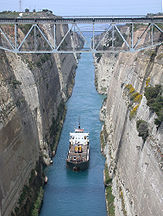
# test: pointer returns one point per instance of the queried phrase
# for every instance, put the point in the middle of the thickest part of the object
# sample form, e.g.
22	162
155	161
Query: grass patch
108	180
110	201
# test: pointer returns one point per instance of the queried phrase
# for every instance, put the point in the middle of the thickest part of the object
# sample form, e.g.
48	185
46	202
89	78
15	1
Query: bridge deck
80	20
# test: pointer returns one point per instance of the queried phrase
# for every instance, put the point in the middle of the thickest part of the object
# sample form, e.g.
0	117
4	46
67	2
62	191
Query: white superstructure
79	137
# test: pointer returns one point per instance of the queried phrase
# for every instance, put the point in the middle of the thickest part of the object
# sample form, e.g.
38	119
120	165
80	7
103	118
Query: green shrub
26	10
152	92
37	205
24	193
155	101
142	127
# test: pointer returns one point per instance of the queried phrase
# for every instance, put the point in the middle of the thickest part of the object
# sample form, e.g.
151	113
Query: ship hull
78	154
78	166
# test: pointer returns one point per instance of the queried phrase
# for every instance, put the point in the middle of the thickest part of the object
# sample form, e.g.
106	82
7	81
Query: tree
27	10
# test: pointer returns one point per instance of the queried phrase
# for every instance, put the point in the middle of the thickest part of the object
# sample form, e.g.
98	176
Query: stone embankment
33	92
134	155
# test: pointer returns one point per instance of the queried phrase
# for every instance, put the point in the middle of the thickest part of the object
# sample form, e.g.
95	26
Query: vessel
78	154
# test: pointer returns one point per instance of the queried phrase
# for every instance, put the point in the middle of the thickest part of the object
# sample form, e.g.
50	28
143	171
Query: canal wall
33	92
134	163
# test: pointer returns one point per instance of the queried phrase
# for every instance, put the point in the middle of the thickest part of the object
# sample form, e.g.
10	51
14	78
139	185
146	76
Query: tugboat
78	154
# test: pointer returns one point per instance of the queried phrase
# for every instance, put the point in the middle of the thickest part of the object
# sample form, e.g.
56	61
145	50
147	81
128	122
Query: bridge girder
11	41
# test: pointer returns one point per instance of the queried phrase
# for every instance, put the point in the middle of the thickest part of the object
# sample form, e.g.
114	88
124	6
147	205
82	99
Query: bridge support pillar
54	31
16	36
93	40
132	36
152	33
113	35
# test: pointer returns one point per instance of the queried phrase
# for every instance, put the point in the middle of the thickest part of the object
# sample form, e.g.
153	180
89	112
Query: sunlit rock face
33	91
135	166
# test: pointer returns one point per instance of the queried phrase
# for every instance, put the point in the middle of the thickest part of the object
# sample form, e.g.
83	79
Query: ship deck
78	157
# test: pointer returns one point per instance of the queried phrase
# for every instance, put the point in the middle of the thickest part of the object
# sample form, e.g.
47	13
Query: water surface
71	193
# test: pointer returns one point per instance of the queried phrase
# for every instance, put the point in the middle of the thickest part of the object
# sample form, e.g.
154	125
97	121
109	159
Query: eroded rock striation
33	92
134	154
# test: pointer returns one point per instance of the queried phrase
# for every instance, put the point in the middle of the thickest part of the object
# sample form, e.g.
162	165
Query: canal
71	193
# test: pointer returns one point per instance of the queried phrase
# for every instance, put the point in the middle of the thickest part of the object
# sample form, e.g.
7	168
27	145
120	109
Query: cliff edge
33	92
132	134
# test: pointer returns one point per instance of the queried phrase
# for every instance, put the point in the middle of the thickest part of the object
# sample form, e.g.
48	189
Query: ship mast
79	123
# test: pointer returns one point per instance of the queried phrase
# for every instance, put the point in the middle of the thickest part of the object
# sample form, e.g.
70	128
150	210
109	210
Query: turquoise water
71	193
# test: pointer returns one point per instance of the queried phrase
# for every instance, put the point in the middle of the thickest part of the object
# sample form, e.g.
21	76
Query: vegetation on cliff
108	193
155	101
103	137
108	180
110	201
36	208
56	126
142	127
31	196
98	56
135	99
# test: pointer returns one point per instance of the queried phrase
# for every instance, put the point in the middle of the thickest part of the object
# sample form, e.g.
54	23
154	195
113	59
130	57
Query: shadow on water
69	193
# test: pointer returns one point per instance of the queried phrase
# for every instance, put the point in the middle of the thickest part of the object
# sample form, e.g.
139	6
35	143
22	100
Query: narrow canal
71	193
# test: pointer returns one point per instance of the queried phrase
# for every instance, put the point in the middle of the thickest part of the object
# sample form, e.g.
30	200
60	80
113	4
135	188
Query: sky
87	7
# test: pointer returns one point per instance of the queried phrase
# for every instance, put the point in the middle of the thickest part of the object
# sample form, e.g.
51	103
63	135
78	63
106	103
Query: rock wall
135	166
33	91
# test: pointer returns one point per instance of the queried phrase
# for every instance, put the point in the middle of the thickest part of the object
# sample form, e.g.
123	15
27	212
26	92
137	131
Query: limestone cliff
134	165
33	91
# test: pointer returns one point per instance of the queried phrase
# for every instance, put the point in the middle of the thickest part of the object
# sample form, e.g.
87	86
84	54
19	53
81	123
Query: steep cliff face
33	90
134	165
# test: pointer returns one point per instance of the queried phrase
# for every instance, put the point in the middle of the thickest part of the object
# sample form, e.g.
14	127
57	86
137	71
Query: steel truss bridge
114	33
